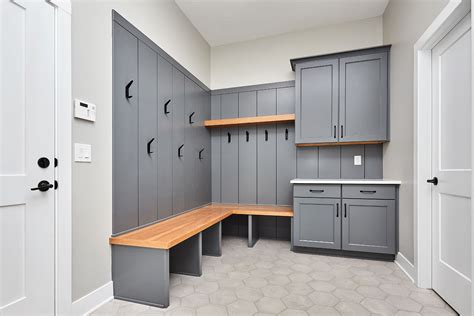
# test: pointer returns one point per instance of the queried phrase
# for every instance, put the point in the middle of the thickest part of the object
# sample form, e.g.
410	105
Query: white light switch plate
358	160
82	152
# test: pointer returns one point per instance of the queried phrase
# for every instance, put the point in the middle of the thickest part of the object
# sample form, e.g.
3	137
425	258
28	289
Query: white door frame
63	147
454	11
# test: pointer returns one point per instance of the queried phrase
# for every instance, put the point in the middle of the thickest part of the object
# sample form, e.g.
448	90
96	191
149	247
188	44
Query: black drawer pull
190	118
368	191
247	136
179	151
342	131
148	146
229	137
200	154
166	107
316	191
345	210
286	134
335	131
337	209
266	135
127	90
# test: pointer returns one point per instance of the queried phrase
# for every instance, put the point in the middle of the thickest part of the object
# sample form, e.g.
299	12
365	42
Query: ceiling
228	21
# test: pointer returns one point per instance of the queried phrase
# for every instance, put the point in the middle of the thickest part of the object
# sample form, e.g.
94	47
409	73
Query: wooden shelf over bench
170	232
268	119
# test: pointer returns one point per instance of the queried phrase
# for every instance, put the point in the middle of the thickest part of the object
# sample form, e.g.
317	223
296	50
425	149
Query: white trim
90	302
63	130
406	266
344	181
454	11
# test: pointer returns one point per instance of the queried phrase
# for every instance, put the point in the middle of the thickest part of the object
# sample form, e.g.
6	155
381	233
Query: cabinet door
317	223
179	148
368	225
317	101
364	105
191	138
125	131
165	151
147	135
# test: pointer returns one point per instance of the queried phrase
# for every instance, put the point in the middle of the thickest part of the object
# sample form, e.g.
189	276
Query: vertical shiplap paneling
307	160
329	162
216	150
229	150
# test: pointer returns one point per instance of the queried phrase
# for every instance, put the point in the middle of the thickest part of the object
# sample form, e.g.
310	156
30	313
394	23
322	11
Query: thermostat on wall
84	110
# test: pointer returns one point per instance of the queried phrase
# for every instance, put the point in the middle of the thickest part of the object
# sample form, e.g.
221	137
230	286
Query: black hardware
179	151
148	146
200	154
127	90
43	162
56	184
229	138
342	131
43	186
337	209
335	131
247	136
345	210
286	134
190	118
266	135
316	191
433	181
368	191
166	106
56	162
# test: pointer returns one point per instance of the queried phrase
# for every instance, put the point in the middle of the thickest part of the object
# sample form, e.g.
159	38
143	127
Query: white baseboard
407	267
90	302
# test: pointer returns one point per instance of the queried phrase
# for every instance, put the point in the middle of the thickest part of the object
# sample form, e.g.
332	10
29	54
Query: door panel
27	105
451	164
125	137
165	147
363	98
179	148
317	223
317	101
358	215
147	148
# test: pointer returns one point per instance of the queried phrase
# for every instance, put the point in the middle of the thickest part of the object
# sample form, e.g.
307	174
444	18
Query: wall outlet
82	152
357	160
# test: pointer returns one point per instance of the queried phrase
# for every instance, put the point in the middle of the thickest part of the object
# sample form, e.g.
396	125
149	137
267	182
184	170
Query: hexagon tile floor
269	279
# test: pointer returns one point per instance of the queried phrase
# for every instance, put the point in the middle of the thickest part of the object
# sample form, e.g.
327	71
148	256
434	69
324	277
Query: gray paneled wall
254	164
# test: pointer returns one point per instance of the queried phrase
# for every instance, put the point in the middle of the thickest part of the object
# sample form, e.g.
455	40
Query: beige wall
163	22
267	59
404	21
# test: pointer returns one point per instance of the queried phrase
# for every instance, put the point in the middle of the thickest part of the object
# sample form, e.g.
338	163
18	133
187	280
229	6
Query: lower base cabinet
317	223
350	224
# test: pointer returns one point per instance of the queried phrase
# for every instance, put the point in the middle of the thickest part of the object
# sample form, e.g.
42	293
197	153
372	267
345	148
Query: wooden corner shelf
340	144
250	120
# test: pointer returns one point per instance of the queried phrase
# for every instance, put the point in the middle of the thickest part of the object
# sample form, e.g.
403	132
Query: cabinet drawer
381	192
317	190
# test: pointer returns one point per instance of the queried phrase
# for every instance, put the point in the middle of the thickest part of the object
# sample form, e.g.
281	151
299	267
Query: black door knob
43	186
43	162
433	181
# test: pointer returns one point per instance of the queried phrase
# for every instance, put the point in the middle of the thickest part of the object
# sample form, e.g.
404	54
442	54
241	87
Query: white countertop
345	181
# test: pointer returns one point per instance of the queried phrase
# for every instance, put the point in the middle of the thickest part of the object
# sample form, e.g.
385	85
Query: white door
27	109
451	239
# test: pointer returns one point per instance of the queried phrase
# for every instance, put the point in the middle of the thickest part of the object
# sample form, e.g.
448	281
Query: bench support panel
186	257
141	275
212	241
253	230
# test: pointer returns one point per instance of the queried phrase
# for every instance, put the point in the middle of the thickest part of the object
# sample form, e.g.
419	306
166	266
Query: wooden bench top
170	232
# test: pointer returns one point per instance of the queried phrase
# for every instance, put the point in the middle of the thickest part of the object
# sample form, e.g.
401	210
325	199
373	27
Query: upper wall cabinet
342	97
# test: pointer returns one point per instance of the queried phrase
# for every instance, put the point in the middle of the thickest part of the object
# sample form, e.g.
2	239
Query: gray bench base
253	230
142	275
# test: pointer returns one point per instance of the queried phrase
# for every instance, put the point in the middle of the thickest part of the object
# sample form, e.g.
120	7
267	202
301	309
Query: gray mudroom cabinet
342	97
161	150
346	217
